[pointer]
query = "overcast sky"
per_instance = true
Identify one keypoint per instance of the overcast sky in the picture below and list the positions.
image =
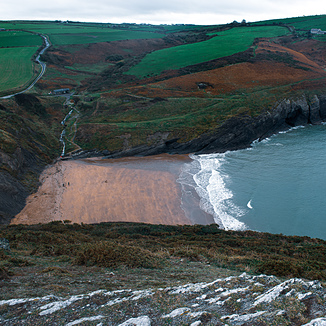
(159, 11)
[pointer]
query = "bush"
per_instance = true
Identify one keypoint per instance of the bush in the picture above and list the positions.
(280, 268)
(4, 273)
(107, 254)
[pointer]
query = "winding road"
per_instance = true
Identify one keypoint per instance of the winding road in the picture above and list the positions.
(43, 67)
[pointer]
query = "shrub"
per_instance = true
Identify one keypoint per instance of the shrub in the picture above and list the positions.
(280, 268)
(107, 254)
(4, 273)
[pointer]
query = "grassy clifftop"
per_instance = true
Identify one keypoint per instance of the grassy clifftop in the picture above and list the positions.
(112, 245)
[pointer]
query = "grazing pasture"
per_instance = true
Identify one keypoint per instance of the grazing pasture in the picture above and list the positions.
(84, 37)
(302, 23)
(18, 38)
(223, 44)
(73, 33)
(16, 68)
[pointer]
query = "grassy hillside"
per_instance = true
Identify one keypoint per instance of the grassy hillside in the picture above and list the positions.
(18, 38)
(303, 23)
(246, 69)
(113, 245)
(223, 44)
(73, 33)
(16, 67)
(16, 51)
(86, 36)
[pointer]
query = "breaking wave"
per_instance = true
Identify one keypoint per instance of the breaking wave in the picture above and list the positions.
(205, 176)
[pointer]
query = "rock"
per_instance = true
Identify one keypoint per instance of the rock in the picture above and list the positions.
(12, 197)
(4, 244)
(234, 300)
(315, 114)
(322, 107)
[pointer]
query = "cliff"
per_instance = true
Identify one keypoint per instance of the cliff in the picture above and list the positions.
(237, 132)
(17, 180)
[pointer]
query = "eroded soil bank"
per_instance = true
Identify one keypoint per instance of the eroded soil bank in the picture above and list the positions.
(134, 189)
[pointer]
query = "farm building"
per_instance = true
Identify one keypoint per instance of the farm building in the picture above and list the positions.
(61, 91)
(317, 31)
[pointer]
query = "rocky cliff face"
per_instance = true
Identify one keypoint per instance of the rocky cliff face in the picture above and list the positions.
(240, 131)
(17, 179)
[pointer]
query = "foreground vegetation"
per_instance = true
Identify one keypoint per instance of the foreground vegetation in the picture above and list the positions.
(132, 245)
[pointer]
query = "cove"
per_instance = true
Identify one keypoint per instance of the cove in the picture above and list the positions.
(278, 185)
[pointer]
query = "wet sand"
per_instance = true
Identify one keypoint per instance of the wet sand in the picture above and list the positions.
(137, 189)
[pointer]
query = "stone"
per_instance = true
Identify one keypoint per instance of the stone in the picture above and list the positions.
(4, 244)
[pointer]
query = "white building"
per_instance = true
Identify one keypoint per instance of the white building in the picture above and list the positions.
(317, 31)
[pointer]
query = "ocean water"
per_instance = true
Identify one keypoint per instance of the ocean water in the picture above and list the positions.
(277, 186)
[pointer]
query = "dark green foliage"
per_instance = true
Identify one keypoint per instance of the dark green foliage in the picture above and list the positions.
(4, 273)
(30, 103)
(3, 108)
(280, 268)
(10, 260)
(114, 57)
(109, 254)
(152, 246)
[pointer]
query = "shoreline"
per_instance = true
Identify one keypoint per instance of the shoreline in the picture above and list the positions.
(236, 133)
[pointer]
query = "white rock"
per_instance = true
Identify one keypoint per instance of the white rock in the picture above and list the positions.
(140, 321)
(177, 312)
(81, 320)
(317, 322)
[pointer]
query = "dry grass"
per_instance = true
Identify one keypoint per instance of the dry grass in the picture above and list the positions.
(136, 245)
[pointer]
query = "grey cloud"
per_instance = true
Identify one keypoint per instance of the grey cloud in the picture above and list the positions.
(160, 11)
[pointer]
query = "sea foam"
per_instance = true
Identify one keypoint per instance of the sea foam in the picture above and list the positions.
(204, 175)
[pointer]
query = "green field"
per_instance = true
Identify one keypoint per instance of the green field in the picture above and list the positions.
(16, 68)
(302, 23)
(82, 37)
(52, 27)
(63, 34)
(224, 44)
(13, 39)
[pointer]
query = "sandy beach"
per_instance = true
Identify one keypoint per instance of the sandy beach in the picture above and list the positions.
(136, 189)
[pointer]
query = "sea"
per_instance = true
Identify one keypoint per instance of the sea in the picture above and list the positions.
(278, 185)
